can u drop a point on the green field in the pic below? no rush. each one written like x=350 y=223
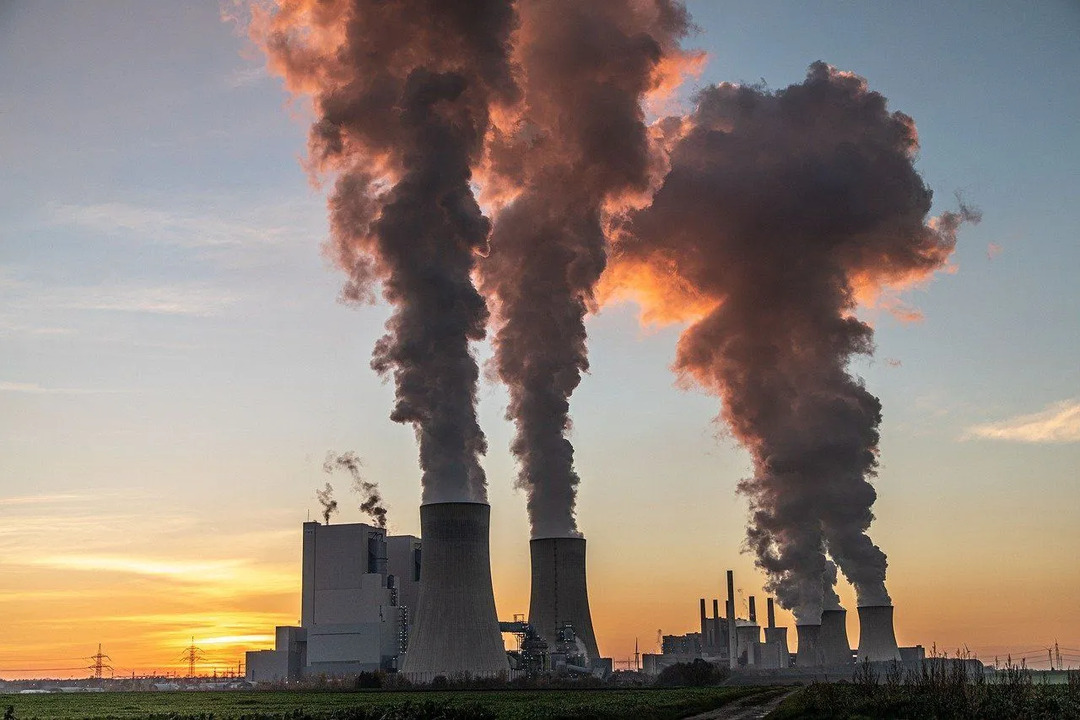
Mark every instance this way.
x=638 y=703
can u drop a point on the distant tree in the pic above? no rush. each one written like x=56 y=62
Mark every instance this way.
x=693 y=674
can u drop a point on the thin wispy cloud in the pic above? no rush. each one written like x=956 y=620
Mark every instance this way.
x=246 y=76
x=253 y=226
x=35 y=389
x=1058 y=423
x=40 y=499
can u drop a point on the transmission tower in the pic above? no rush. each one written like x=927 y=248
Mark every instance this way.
x=99 y=663
x=192 y=655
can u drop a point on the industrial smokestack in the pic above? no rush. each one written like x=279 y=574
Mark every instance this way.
x=877 y=638
x=704 y=625
x=560 y=592
x=716 y=634
x=833 y=641
x=771 y=612
x=809 y=652
x=456 y=629
x=732 y=642
x=753 y=610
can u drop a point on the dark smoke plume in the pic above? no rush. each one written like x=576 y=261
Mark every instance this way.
x=580 y=148
x=370 y=499
x=326 y=499
x=402 y=93
x=781 y=210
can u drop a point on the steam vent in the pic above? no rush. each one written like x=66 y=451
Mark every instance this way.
x=809 y=652
x=456 y=629
x=877 y=639
x=560 y=593
x=833 y=640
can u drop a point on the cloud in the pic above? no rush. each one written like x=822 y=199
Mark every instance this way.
x=241 y=227
x=1058 y=423
x=993 y=250
x=183 y=298
x=39 y=499
x=35 y=389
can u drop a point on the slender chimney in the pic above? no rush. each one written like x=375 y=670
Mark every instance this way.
x=732 y=660
x=704 y=626
x=877 y=638
x=716 y=623
x=770 y=612
x=455 y=630
x=753 y=610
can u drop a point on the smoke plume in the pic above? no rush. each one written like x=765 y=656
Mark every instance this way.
x=782 y=210
x=326 y=499
x=580 y=147
x=370 y=499
x=402 y=92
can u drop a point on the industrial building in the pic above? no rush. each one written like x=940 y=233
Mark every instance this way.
x=736 y=643
x=359 y=588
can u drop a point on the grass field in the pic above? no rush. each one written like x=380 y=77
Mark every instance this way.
x=605 y=704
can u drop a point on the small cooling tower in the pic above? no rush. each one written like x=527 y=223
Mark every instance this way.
x=877 y=639
x=833 y=640
x=809 y=653
x=455 y=628
x=560 y=592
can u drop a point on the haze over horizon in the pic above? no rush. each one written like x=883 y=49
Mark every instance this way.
x=177 y=365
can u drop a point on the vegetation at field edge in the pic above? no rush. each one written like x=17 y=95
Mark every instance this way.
x=606 y=704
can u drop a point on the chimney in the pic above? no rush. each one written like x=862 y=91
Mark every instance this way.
x=732 y=659
x=770 y=612
x=753 y=610
x=877 y=638
x=455 y=628
x=560 y=592
x=716 y=623
x=833 y=640
x=809 y=653
x=704 y=626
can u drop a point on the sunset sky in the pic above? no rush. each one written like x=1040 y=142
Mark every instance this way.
x=175 y=365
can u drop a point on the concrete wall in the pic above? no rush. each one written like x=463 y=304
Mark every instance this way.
x=266 y=666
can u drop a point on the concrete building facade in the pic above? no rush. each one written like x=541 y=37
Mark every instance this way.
x=357 y=586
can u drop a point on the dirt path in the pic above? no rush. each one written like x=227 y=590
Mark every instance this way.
x=748 y=708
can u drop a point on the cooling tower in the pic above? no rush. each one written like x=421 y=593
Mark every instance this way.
x=833 y=640
x=560 y=593
x=877 y=639
x=455 y=630
x=809 y=652
x=777 y=637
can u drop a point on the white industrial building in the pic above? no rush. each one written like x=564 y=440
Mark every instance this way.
x=358 y=589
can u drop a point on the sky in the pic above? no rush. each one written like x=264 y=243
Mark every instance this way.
x=175 y=364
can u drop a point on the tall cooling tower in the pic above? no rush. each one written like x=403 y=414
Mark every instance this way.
x=833 y=640
x=777 y=637
x=877 y=639
x=560 y=593
x=809 y=652
x=455 y=628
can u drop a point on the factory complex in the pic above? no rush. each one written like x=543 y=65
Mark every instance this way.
x=425 y=608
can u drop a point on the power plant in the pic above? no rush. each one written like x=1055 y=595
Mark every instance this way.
x=424 y=607
x=823 y=648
